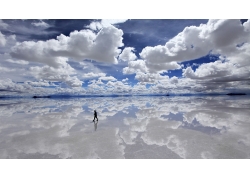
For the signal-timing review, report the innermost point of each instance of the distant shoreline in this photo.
(116, 95)
(235, 94)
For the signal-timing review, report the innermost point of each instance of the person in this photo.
(95, 115)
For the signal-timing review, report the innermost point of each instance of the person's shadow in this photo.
(95, 125)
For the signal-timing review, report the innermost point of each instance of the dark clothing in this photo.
(95, 115)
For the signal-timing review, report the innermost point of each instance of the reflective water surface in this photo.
(128, 127)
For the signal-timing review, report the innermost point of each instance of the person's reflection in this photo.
(95, 125)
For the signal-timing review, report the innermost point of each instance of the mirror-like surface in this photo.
(128, 127)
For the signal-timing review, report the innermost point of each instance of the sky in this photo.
(124, 56)
(18, 78)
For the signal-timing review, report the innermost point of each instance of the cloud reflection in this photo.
(128, 127)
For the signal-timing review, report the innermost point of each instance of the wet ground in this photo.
(159, 127)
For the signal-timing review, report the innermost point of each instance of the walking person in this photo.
(95, 115)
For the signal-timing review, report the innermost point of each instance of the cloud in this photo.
(21, 62)
(9, 86)
(162, 67)
(125, 80)
(92, 75)
(174, 80)
(3, 25)
(97, 25)
(40, 24)
(64, 73)
(217, 36)
(40, 83)
(135, 66)
(108, 78)
(79, 45)
(209, 70)
(191, 128)
(220, 76)
(228, 38)
(149, 77)
(4, 69)
(128, 54)
(108, 22)
(2, 40)
(6, 42)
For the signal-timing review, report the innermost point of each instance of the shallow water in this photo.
(129, 127)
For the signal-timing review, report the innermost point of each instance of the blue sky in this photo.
(124, 56)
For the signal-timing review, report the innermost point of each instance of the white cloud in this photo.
(149, 77)
(79, 45)
(40, 24)
(128, 54)
(220, 36)
(108, 22)
(210, 70)
(40, 83)
(97, 25)
(9, 85)
(241, 56)
(162, 67)
(135, 66)
(174, 80)
(220, 76)
(125, 80)
(64, 73)
(108, 78)
(6, 42)
(4, 69)
(92, 75)
(21, 62)
(2, 40)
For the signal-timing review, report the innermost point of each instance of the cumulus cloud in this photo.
(148, 77)
(164, 67)
(79, 45)
(128, 54)
(64, 73)
(174, 80)
(228, 38)
(95, 25)
(135, 66)
(101, 43)
(92, 75)
(6, 42)
(209, 70)
(9, 85)
(217, 36)
(125, 80)
(220, 76)
(40, 83)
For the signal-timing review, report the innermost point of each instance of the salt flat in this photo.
(158, 127)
